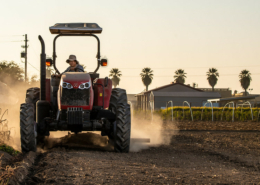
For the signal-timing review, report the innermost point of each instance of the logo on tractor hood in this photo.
(75, 85)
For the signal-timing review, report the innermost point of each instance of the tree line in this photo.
(212, 76)
(12, 73)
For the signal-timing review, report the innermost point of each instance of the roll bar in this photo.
(54, 49)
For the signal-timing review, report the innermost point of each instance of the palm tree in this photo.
(115, 74)
(147, 76)
(245, 79)
(180, 76)
(212, 75)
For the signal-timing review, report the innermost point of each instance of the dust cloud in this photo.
(141, 128)
(153, 129)
(11, 96)
(83, 140)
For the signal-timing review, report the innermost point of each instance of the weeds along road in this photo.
(191, 157)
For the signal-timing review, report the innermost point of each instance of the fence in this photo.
(205, 113)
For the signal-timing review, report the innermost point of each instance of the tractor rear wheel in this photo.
(32, 96)
(120, 132)
(27, 128)
(117, 96)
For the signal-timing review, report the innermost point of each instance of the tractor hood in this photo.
(75, 79)
(75, 91)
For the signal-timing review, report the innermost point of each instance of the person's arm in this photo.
(59, 75)
(67, 70)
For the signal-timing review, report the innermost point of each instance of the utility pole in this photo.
(25, 56)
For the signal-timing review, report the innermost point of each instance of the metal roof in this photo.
(235, 98)
(188, 94)
(75, 28)
(172, 84)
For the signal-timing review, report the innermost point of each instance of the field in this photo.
(191, 157)
(183, 151)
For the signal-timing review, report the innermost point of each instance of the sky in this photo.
(164, 35)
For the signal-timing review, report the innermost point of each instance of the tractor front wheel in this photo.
(28, 128)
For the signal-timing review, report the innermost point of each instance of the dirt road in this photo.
(191, 157)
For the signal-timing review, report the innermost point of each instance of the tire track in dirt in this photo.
(23, 168)
(31, 179)
(239, 159)
(186, 160)
(227, 157)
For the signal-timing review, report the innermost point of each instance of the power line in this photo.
(186, 67)
(34, 51)
(193, 75)
(10, 35)
(33, 66)
(35, 55)
(10, 41)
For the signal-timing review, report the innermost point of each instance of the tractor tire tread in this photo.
(32, 96)
(117, 96)
(27, 128)
(123, 129)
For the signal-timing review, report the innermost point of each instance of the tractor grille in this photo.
(75, 116)
(76, 97)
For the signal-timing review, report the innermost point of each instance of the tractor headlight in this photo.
(81, 86)
(84, 85)
(67, 85)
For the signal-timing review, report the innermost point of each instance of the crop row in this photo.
(204, 114)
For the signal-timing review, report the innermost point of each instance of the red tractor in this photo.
(75, 101)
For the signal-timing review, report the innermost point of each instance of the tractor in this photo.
(74, 101)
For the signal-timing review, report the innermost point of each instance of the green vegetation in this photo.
(12, 74)
(239, 115)
(8, 149)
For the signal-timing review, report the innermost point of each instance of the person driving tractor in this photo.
(74, 65)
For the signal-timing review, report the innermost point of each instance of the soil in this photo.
(216, 125)
(191, 157)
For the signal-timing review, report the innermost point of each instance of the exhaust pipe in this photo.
(42, 106)
(43, 70)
